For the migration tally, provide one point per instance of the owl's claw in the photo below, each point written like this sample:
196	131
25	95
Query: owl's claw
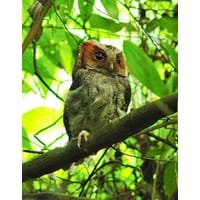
82	138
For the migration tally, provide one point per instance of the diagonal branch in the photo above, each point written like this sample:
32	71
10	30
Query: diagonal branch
37	22
103	136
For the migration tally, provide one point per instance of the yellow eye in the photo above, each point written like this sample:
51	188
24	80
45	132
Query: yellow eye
99	55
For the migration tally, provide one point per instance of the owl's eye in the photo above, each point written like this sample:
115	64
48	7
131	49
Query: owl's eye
99	55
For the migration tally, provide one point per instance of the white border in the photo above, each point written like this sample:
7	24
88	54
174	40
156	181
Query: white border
10	108
189	105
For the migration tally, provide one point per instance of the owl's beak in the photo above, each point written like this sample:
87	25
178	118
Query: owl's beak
111	66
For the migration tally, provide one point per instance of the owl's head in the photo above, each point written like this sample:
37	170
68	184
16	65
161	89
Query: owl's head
101	57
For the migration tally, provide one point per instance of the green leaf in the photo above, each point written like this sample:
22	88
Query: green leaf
67	59
172	83
39	118
26	87
85	8
171	24
46	67
52	53
25	14
154	151
69	4
170	179
111	8
73	41
27	61
97	21
51	36
172	54
142	67
25	140
129	27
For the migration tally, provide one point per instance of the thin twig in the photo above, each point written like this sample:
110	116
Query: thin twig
164	124
143	157
65	27
27	139
93	172
162	140
49	126
39	76
45	128
32	151
118	162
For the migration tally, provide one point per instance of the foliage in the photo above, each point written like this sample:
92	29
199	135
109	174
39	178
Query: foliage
141	167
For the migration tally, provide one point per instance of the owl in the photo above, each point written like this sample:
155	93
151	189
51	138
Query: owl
100	90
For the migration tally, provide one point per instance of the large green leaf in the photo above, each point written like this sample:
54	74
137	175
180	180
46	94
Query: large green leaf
45	66
51	36
85	8
170	179
142	67
97	21
111	8
39	118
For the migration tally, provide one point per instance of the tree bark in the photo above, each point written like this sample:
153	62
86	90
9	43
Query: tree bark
104	136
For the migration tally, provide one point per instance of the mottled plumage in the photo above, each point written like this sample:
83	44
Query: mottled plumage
100	90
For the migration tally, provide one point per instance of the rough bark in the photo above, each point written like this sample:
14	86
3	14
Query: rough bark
103	136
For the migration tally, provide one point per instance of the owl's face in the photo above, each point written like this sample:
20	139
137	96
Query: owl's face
99	56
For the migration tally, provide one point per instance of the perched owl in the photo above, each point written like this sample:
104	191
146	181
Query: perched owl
100	91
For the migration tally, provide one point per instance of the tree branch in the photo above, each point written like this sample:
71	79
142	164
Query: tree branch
103	136
37	22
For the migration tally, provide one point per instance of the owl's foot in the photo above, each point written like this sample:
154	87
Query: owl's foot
82	138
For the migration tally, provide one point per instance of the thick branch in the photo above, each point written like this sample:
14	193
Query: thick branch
104	136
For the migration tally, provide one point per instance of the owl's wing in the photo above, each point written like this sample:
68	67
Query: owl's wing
69	102
75	83
66	123
72	112
127	94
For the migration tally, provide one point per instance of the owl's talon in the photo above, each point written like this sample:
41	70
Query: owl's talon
82	138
